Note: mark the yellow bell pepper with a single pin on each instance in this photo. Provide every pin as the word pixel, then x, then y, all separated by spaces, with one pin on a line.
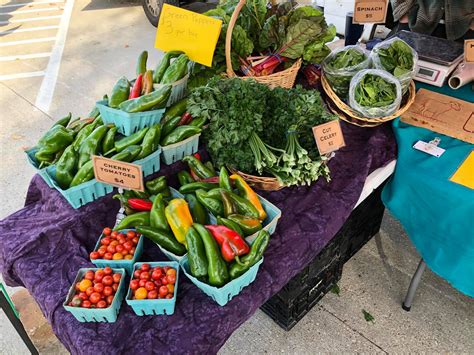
pixel 249 195
pixel 179 218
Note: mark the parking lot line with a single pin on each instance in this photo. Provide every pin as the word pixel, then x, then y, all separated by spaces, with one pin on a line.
pixel 21 75
pixel 31 29
pixel 14 12
pixel 30 3
pixel 27 41
pixel 24 56
pixel 29 19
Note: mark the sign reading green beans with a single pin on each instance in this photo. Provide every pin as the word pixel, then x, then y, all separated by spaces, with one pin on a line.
pixel 118 173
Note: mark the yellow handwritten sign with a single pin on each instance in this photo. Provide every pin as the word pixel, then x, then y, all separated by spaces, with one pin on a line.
pixel 183 30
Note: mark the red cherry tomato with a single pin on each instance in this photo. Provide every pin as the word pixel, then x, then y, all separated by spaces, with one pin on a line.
pixel 108 280
pixel 114 243
pixel 108 270
pixel 132 251
pixel 83 296
pixel 108 256
pixel 99 276
pixel 94 298
pixel 142 283
pixel 144 275
pixel 164 280
pixel 102 304
pixel 134 284
pixel 94 255
pixel 131 234
pixel 105 241
pixel 169 296
pixel 135 240
pixel 117 277
pixel 110 299
pixel 166 268
pixel 114 234
pixel 119 248
pixel 146 267
pixel 156 274
pixel 86 304
pixel 163 291
pixel 128 245
pixel 149 285
pixel 158 283
pixel 171 279
pixel 102 252
pixel 108 290
pixel 115 287
pixel 89 275
pixel 89 291
pixel 171 272
pixel 111 249
pixel 153 294
pixel 107 231
pixel 77 286
pixel 99 287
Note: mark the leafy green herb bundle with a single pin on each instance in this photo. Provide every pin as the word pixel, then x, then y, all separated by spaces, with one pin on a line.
pixel 397 58
pixel 375 91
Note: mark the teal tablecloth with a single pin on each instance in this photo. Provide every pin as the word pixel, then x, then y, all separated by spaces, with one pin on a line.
pixel 437 214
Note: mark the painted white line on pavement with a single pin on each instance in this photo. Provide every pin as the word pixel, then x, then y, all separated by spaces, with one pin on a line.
pixel 21 75
pixel 40 28
pixel 46 91
pixel 14 12
pixel 30 3
pixel 24 56
pixel 27 41
pixel 29 19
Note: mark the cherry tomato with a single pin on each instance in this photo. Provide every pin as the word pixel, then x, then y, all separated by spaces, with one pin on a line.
pixel 163 291
pixel 132 251
pixel 107 291
pixel 82 296
pixel 171 272
pixel 164 280
pixel 108 256
pixel 170 288
pixel 77 286
pixel 94 255
pixel 99 274
pixel 128 245
pixel 114 243
pixel 166 268
pixel 153 294
pixel 85 284
pixel 108 280
pixel 169 296
pixel 102 304
pixel 134 284
pixel 142 283
pixel 107 231
pixel 146 267
pixel 124 253
pixel 135 240
pixel 144 275
pixel 149 285
pixel 117 256
pixel 141 293
pixel 156 274
pixel 158 283
pixel 119 248
pixel 89 291
pixel 89 275
pixel 117 277
pixel 114 234
pixel 108 270
pixel 99 287
pixel 111 249
pixel 131 234
pixel 94 298
pixel 102 252
pixel 171 279
pixel 105 241
pixel 115 287
pixel 110 299
pixel 76 302
pixel 86 304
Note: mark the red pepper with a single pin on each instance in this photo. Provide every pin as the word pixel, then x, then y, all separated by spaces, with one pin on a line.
pixel 185 119
pixel 213 179
pixel 197 156
pixel 139 204
pixel 231 243
pixel 137 88
pixel 193 174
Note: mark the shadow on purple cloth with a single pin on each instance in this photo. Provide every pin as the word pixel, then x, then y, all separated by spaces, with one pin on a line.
pixel 45 243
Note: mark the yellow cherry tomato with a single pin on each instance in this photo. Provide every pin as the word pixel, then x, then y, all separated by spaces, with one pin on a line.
pixel 117 256
pixel 84 285
pixel 141 293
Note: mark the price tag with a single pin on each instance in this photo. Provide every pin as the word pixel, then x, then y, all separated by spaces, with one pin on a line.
pixel 329 137
pixel 370 11
pixel 184 30
pixel 469 50
pixel 118 173
pixel 430 148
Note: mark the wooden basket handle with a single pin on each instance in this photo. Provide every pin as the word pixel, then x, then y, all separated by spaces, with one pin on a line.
pixel 228 38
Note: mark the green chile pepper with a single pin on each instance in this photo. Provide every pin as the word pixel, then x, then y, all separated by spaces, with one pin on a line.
pixel 179 134
pixel 177 109
pixel 212 205
pixel 184 178
pixel 256 253
pixel 224 181
pixel 82 135
pixel 163 239
pixel 193 186
pixel 169 126
pixel 227 202
pixel 84 174
pixel 202 171
pixel 198 122
pixel 120 92
pixel 128 154
pixel 155 99
pixel 141 63
pixel 164 64
pixel 196 254
pixel 176 71
pixel 217 272
pixel 209 165
pixel 139 194
pixel 55 139
pixel 133 139
pixel 109 140
pixel 91 145
pixel 157 215
pixel 215 193
pixel 133 221
pixel 248 225
pixel 65 168
pixel 94 113
pixel 244 206
pixel 198 212
pixel 157 185
pixel 230 224
pixel 151 141
pixel 64 121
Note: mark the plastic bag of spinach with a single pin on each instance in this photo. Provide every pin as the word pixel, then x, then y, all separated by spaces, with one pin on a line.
pixel 375 93
pixel 341 65
pixel 396 57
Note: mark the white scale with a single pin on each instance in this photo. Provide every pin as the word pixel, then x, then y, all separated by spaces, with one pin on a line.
pixel 437 57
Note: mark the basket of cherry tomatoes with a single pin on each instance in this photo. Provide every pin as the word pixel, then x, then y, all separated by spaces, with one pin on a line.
pixel 153 288
pixel 96 294
pixel 119 249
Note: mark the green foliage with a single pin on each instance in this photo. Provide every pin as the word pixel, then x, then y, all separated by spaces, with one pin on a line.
pixel 397 58
pixel 345 59
pixel 374 91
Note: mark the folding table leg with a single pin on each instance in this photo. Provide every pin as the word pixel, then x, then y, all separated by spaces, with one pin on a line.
pixel 415 281
pixel 11 315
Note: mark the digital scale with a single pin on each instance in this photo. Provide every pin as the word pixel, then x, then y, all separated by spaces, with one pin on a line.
pixel 437 57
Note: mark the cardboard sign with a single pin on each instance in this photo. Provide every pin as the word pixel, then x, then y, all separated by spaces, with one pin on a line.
pixel 370 11
pixel 183 30
pixel 442 114
pixel 328 137
pixel 469 50
pixel 465 173
pixel 118 173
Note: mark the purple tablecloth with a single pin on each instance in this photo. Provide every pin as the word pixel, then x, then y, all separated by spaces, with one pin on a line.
pixel 45 243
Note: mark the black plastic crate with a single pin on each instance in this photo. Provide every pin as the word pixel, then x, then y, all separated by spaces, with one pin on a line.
pixel 304 290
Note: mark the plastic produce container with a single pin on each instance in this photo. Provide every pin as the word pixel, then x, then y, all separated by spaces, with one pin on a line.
pixel 124 264
pixel 174 152
pixel 178 90
pixel 156 306
pixel 129 123
pixel 151 163
pixel 108 314
pixel 223 294
pixel 30 155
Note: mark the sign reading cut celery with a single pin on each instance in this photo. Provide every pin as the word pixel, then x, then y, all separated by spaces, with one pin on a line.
pixel 183 30
pixel 370 11
pixel 118 173
pixel 328 137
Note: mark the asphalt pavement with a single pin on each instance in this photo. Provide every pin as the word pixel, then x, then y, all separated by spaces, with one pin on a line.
pixel 61 56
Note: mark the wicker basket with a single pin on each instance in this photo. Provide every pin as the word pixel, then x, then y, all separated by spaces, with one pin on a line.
pixel 259 182
pixel 346 113
pixel 285 78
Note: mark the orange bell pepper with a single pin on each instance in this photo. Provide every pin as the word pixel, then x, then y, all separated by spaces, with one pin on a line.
pixel 249 195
